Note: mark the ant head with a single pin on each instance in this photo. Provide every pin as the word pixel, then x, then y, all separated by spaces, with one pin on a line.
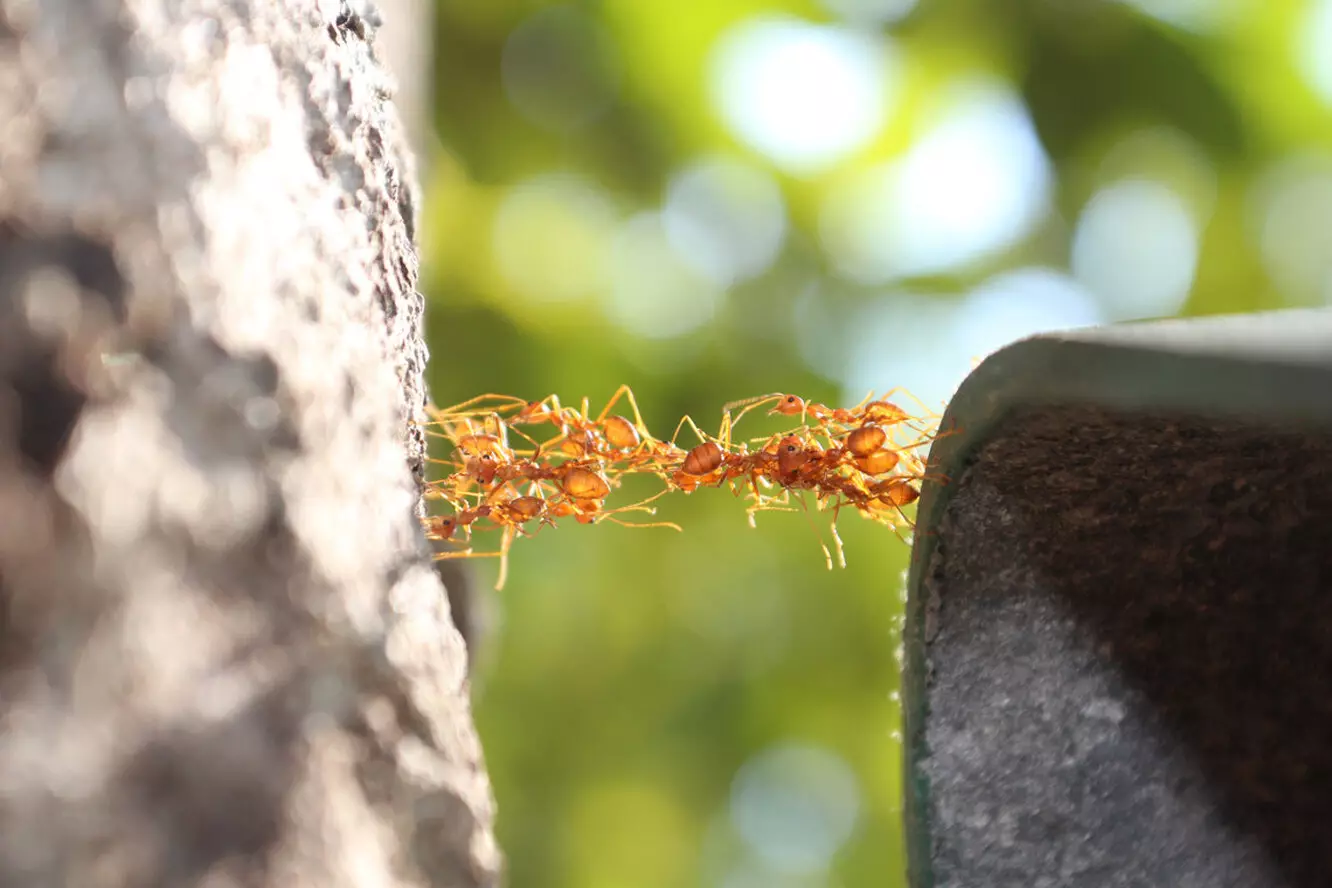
pixel 789 405
pixel 479 444
pixel 482 467
pixel 530 413
pixel 791 454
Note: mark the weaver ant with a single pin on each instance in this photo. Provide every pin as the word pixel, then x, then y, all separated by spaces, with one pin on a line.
pixel 833 421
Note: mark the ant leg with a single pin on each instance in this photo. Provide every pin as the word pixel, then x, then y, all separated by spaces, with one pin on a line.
pixel 837 537
pixel 784 497
pixel 929 412
pixel 493 424
pixel 502 554
pixel 454 497
pixel 463 553
pixel 668 524
pixel 749 404
pixel 724 432
pixel 505 542
pixel 702 436
pixel 628 394
pixel 915 469
pixel 863 401
pixel 827 556
pixel 557 417
pixel 438 428
pixel 640 506
pixel 767 504
pixel 458 409
pixel 528 454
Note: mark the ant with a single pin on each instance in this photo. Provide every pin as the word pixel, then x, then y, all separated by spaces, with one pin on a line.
pixel 833 420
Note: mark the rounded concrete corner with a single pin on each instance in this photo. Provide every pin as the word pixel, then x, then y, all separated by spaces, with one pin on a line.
pixel 1272 368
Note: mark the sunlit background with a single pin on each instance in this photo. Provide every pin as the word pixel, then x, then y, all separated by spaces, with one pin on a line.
pixel 720 198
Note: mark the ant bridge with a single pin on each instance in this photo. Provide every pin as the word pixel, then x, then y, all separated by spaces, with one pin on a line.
pixel 1119 635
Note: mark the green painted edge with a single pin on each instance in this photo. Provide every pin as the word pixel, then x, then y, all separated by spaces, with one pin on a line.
pixel 1274 368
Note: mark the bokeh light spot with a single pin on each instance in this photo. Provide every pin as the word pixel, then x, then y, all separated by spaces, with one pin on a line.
pixel 795 806
pixel 556 70
pixel 821 325
pixel 930 345
pixel 1164 154
pixel 896 340
pixel 1193 15
pixel 550 238
pixel 653 293
pixel 870 12
pixel 725 219
pixel 1136 247
pixel 1314 49
pixel 974 184
pixel 1016 304
pixel 1292 209
pixel 802 94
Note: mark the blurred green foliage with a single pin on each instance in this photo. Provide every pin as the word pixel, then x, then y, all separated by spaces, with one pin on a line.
pixel 631 674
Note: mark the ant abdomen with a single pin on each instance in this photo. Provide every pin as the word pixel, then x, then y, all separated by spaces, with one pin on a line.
pixel 703 459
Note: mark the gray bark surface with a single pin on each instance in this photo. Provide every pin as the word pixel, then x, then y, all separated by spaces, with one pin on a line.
pixel 224 656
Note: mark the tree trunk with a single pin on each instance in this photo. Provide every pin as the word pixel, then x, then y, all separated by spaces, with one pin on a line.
pixel 405 45
pixel 224 656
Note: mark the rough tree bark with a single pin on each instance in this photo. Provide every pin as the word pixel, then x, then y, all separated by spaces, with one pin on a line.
pixel 224 656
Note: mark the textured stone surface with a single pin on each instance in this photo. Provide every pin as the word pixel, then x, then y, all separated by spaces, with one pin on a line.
pixel 224 655
pixel 1129 676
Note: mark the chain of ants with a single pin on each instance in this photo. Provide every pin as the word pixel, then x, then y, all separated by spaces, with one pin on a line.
pixel 847 457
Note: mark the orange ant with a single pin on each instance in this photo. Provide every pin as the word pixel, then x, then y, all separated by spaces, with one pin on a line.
pixel 829 420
